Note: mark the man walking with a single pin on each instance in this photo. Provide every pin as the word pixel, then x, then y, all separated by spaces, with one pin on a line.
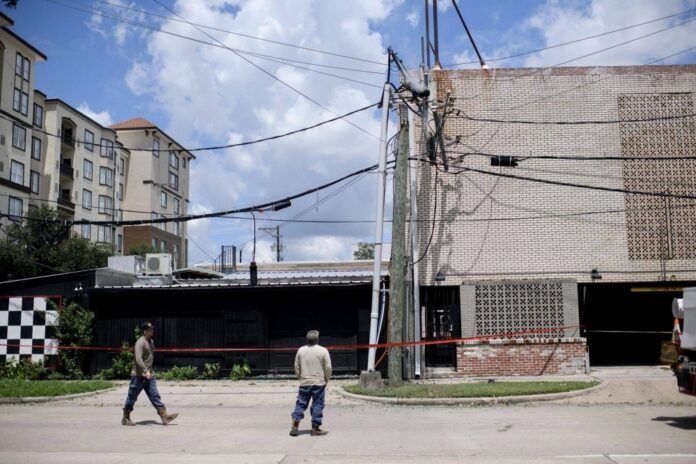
pixel 143 377
pixel 313 369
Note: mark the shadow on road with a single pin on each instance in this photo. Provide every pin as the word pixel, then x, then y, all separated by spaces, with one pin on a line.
pixel 686 422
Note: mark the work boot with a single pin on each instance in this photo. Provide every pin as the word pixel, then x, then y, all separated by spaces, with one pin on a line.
pixel 166 418
pixel 293 430
pixel 126 418
pixel 317 432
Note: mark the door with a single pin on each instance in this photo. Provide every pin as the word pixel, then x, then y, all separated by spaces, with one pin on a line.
pixel 442 322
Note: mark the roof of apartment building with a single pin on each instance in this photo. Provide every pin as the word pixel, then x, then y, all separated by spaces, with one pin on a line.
pixel 58 101
pixel 9 22
pixel 142 123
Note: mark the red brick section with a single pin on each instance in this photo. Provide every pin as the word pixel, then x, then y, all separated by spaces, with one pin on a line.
pixel 522 357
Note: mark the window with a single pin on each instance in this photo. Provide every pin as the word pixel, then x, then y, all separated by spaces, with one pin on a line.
pixel 19 62
pixel 122 166
pixel 120 192
pixel 106 205
pixel 173 160
pixel 175 252
pixel 86 231
pixel 173 181
pixel 86 199
pixel 177 206
pixel 106 176
pixel 119 243
pixel 34 179
pixel 36 148
pixel 38 115
pixel 183 162
pixel 154 243
pixel 163 246
pixel 17 172
pixel 104 234
pixel 163 199
pixel 16 207
pixel 155 147
pixel 87 169
pixel 27 68
pixel 19 137
pixel 25 104
pixel 119 215
pixel 17 100
pixel 89 140
pixel 175 228
pixel 107 149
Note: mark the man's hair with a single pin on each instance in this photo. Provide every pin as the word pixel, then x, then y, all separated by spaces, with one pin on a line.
pixel 312 337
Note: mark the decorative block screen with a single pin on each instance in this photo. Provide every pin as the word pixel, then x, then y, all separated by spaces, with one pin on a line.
pixel 507 308
pixel 659 228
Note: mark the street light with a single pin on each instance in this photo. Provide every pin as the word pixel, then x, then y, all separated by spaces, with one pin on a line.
pixel 253 271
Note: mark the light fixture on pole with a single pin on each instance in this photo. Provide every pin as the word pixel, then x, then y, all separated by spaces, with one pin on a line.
pixel 253 270
pixel 595 275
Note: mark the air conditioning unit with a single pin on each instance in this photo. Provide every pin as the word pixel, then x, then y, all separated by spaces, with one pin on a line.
pixel 158 264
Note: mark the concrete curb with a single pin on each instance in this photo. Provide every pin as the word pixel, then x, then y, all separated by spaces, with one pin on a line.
pixel 48 399
pixel 477 400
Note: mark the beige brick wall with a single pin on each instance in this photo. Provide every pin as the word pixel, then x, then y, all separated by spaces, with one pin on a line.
pixel 500 228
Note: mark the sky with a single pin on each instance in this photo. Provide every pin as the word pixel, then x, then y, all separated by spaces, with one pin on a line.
pixel 119 59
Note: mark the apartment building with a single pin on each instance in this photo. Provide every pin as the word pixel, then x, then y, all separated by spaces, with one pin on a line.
pixel 158 187
pixel 21 113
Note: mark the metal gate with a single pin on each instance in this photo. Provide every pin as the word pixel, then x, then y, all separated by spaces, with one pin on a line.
pixel 442 322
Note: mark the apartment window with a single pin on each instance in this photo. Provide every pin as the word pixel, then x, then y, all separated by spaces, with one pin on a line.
pixel 163 225
pixel 19 137
pixel 174 160
pixel 106 205
pixel 173 181
pixel 19 62
pixel 104 234
pixel 155 147
pixel 34 179
pixel 122 166
pixel 16 207
pixel 87 169
pixel 86 199
pixel 86 231
pixel 17 172
pixel 107 149
pixel 25 104
pixel 89 140
pixel 163 246
pixel 36 148
pixel 163 199
pixel 38 115
pixel 183 162
pixel 120 192
pixel 26 69
pixel 154 243
pixel 175 228
pixel 106 176
pixel 119 243
pixel 175 252
pixel 17 100
pixel 177 206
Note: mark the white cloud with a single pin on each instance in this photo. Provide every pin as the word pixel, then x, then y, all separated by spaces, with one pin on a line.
pixel 212 96
pixel 102 117
pixel 118 31
pixel 413 18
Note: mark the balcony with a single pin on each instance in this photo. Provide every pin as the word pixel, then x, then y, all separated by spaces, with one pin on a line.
pixel 66 170
pixel 65 201
pixel 67 139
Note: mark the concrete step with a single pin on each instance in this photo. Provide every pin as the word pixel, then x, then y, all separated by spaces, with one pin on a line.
pixel 440 372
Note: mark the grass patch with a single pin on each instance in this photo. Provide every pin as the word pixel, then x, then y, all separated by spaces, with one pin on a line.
pixel 472 390
pixel 24 388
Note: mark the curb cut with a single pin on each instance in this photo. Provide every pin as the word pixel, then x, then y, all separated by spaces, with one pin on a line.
pixel 475 401
pixel 48 399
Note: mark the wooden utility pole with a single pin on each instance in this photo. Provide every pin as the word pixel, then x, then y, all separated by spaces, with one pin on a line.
pixel 397 272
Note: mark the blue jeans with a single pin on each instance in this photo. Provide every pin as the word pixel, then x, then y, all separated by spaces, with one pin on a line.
pixel 138 384
pixel 316 394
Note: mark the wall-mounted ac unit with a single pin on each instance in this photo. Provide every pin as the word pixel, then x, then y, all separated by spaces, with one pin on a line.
pixel 158 264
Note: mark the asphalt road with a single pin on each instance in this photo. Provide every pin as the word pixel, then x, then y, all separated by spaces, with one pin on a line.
pixel 249 422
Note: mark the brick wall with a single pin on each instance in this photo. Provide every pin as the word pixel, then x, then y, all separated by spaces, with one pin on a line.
pixel 509 357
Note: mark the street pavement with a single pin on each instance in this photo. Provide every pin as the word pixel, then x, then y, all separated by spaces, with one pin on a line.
pixel 637 417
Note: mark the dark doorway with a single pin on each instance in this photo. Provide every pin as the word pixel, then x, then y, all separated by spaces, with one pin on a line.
pixel 625 323
pixel 442 322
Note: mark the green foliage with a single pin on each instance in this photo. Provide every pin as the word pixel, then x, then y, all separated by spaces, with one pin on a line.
pixel 472 390
pixel 179 373
pixel 74 329
pixel 10 3
pixel 365 250
pixel 41 244
pixel 141 249
pixel 23 370
pixel 240 371
pixel 211 371
pixel 22 388
pixel 121 365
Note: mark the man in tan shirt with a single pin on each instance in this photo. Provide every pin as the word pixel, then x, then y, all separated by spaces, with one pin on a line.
pixel 313 369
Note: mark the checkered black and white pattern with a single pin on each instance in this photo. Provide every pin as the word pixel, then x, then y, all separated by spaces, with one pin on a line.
pixel 27 321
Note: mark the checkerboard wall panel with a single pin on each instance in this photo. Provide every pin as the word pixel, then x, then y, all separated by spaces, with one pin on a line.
pixel 27 328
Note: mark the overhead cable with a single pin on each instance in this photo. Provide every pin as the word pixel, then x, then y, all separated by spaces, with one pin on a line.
pixel 462 115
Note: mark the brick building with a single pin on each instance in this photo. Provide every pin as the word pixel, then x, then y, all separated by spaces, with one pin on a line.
pixel 508 255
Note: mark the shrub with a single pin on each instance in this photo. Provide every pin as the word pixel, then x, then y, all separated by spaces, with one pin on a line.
pixel 74 329
pixel 121 365
pixel 211 371
pixel 239 371
pixel 179 373
pixel 24 369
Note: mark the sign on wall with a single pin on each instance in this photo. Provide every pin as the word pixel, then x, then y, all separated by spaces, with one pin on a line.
pixel 27 328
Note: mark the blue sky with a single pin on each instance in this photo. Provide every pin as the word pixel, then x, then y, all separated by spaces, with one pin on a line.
pixel 203 95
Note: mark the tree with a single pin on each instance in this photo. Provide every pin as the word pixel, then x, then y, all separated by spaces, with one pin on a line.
pixel 141 249
pixel 366 250
pixel 10 3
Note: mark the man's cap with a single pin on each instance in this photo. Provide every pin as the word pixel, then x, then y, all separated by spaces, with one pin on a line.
pixel 146 325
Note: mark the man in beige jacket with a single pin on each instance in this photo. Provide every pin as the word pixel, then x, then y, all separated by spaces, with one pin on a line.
pixel 313 369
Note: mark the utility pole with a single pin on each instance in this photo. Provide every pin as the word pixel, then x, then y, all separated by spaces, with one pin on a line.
pixel 397 272
pixel 278 247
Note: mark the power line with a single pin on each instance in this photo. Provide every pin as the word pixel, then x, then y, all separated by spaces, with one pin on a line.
pixel 464 154
pixel 461 114
pixel 517 55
